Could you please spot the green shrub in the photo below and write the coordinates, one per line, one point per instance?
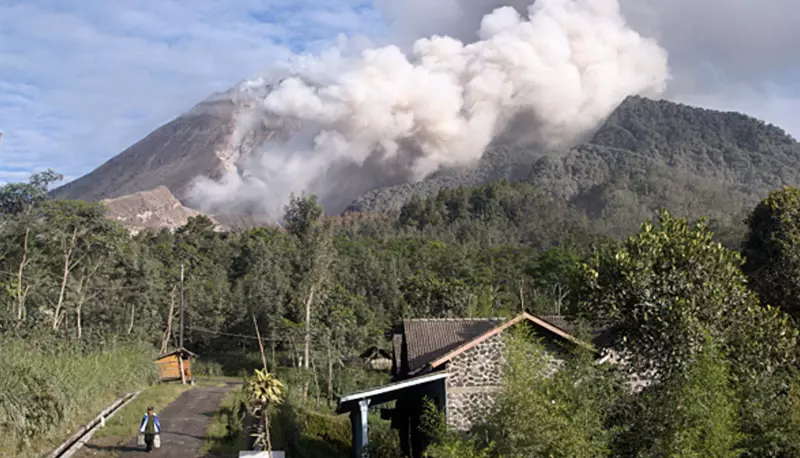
(302, 432)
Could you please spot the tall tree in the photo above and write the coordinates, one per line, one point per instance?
(79, 235)
(17, 201)
(665, 287)
(304, 219)
(772, 250)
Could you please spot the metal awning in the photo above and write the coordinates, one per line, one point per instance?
(357, 404)
(385, 393)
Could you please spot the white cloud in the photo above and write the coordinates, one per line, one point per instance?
(81, 81)
(727, 54)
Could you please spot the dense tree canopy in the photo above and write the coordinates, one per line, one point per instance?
(321, 290)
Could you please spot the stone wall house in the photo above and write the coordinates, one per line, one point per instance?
(472, 352)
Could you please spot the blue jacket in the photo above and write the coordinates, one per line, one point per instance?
(155, 420)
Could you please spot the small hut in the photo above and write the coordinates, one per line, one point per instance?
(377, 359)
(175, 365)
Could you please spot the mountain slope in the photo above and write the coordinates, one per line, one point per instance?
(203, 141)
(647, 155)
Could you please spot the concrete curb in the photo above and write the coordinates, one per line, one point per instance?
(77, 440)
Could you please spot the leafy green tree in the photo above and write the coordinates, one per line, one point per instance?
(78, 238)
(551, 408)
(694, 414)
(304, 219)
(772, 250)
(664, 288)
(17, 201)
(17, 198)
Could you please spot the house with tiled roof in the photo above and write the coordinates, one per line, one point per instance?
(455, 362)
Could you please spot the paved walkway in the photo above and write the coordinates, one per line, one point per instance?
(183, 426)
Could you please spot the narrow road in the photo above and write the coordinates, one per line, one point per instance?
(183, 426)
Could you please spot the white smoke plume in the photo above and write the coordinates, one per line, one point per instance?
(385, 116)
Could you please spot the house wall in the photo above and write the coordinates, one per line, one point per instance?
(475, 377)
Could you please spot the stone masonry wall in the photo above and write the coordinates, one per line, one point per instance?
(475, 377)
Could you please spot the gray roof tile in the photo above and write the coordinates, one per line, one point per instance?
(429, 339)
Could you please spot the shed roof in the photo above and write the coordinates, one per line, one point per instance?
(181, 350)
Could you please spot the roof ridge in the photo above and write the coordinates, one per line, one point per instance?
(457, 319)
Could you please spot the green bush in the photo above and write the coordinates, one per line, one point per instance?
(309, 434)
(46, 391)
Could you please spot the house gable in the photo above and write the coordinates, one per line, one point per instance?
(538, 323)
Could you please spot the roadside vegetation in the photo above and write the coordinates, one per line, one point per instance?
(49, 388)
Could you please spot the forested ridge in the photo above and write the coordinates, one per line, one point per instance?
(648, 155)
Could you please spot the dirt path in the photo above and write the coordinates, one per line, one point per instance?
(183, 426)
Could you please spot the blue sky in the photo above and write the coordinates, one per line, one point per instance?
(81, 80)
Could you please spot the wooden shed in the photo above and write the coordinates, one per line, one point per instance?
(377, 359)
(169, 365)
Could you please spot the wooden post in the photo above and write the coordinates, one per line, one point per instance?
(260, 343)
(183, 372)
(180, 344)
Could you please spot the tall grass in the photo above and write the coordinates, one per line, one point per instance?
(48, 389)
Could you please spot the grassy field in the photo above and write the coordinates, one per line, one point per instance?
(49, 391)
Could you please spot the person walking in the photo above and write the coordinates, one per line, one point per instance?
(150, 427)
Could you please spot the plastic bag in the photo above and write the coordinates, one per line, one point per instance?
(140, 440)
(157, 441)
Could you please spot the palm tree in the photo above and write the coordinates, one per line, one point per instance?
(264, 390)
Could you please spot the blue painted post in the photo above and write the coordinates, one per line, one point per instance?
(358, 420)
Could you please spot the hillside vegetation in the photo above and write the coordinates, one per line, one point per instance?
(648, 155)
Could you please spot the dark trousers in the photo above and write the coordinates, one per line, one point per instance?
(148, 441)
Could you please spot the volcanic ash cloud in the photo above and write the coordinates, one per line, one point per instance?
(566, 63)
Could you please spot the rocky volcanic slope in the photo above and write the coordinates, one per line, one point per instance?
(202, 141)
(153, 209)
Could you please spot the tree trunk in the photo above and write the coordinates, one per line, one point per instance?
(330, 374)
(272, 345)
(165, 342)
(307, 347)
(316, 381)
(78, 309)
(80, 330)
(67, 250)
(260, 342)
(266, 432)
(133, 315)
(20, 294)
(64, 278)
(307, 344)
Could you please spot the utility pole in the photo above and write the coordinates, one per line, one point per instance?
(182, 314)
(180, 355)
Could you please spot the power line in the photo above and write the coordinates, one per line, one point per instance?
(242, 336)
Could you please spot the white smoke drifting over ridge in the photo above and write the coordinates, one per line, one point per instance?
(385, 117)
